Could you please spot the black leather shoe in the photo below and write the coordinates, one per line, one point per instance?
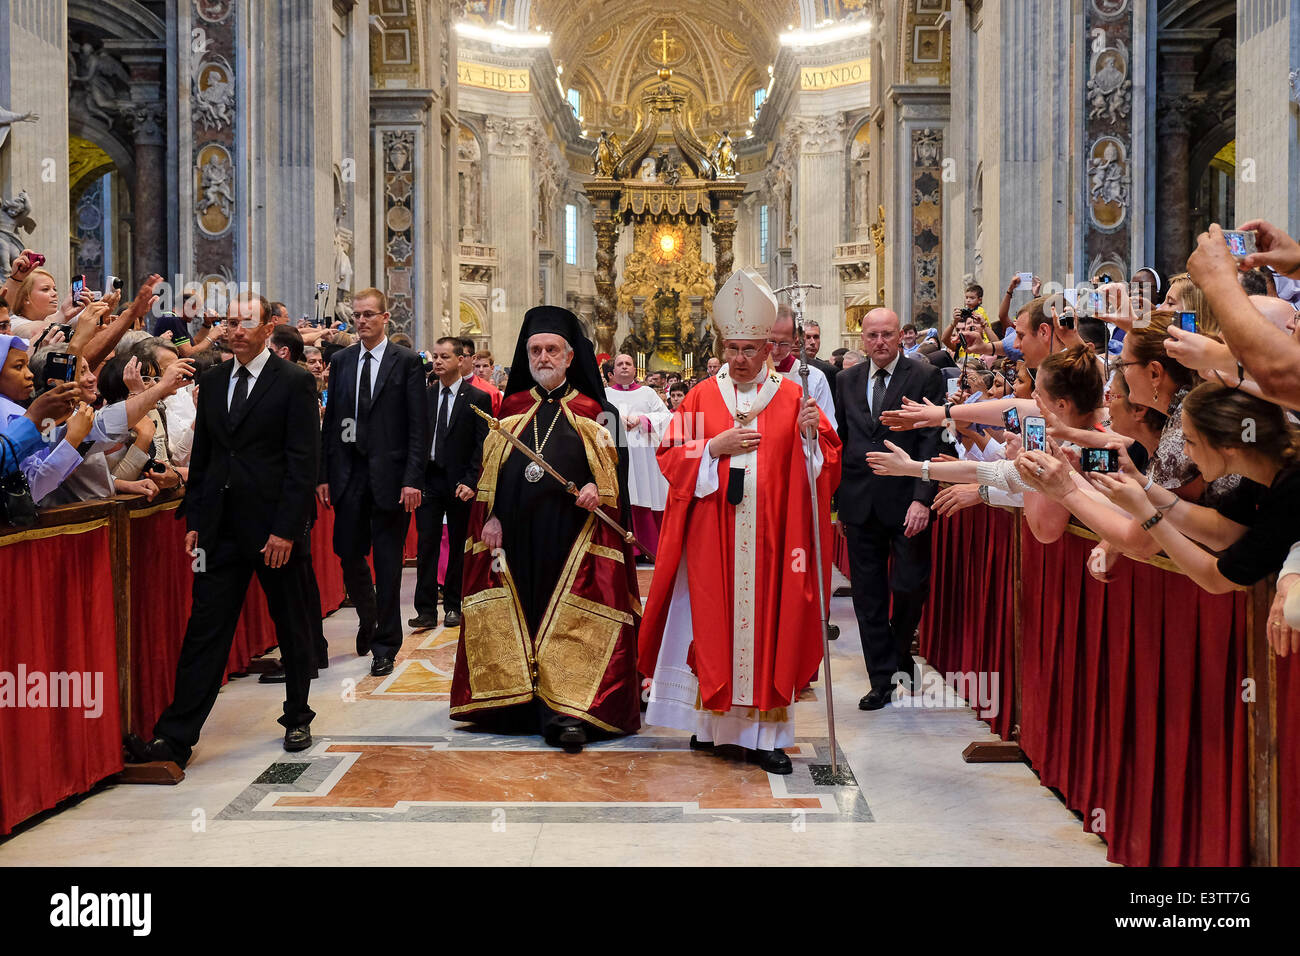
(276, 676)
(572, 739)
(451, 619)
(364, 637)
(423, 622)
(697, 744)
(381, 667)
(879, 697)
(297, 738)
(135, 750)
(773, 761)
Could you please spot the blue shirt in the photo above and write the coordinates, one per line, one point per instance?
(25, 438)
(1009, 344)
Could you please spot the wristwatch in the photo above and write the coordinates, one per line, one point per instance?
(925, 470)
(984, 493)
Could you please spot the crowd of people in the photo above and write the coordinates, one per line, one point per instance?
(1159, 415)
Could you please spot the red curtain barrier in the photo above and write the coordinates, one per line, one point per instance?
(968, 628)
(1287, 768)
(67, 734)
(1132, 705)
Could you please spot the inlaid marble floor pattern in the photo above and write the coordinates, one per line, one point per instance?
(391, 779)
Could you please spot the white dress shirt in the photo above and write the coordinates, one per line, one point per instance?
(376, 356)
(437, 405)
(889, 375)
(254, 366)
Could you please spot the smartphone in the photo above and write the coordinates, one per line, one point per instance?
(1095, 299)
(1187, 321)
(1011, 420)
(1026, 279)
(954, 385)
(60, 367)
(1105, 460)
(1035, 434)
(1071, 297)
(78, 284)
(1240, 243)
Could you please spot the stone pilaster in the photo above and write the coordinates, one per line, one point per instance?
(1268, 112)
(403, 192)
(34, 156)
(819, 197)
(513, 213)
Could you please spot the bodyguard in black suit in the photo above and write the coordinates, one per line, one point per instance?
(373, 448)
(451, 480)
(886, 520)
(247, 508)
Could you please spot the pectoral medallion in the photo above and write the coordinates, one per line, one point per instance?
(534, 472)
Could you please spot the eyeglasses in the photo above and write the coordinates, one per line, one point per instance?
(748, 351)
(150, 379)
(1118, 364)
(242, 323)
(366, 315)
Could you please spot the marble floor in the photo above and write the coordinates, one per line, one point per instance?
(391, 779)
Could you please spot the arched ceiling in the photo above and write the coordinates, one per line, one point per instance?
(611, 49)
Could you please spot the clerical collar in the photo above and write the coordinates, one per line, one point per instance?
(556, 393)
(625, 388)
(786, 364)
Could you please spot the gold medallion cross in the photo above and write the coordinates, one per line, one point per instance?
(663, 47)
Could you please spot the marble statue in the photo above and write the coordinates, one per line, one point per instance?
(8, 118)
(15, 214)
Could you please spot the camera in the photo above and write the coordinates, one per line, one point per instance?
(112, 282)
(967, 313)
(78, 284)
(1104, 279)
(1011, 421)
(1104, 460)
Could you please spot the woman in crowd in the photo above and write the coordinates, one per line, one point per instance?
(1185, 296)
(1068, 384)
(36, 305)
(1253, 527)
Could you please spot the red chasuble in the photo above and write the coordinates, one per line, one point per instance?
(787, 642)
(581, 658)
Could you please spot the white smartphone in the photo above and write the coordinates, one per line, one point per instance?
(1035, 433)
(1026, 279)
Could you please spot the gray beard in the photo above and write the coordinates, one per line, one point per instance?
(549, 379)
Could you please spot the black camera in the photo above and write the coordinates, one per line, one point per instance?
(967, 313)
(1066, 320)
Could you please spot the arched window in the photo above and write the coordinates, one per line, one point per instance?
(575, 101)
(760, 95)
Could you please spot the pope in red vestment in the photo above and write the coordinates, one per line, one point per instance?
(732, 629)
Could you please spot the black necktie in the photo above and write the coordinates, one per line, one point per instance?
(440, 437)
(238, 399)
(363, 403)
(878, 394)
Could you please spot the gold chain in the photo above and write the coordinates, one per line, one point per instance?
(538, 447)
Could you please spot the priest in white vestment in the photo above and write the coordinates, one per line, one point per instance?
(644, 418)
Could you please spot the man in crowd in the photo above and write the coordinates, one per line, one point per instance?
(785, 356)
(732, 631)
(374, 445)
(247, 508)
(713, 365)
(812, 333)
(644, 417)
(481, 382)
(886, 520)
(450, 480)
(548, 635)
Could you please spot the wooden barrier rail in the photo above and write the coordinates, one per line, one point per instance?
(1156, 709)
(104, 587)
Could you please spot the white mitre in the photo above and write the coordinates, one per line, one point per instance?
(744, 307)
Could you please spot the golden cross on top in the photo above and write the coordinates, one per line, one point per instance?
(663, 47)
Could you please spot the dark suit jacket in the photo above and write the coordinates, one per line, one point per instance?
(466, 431)
(264, 463)
(863, 493)
(830, 371)
(397, 443)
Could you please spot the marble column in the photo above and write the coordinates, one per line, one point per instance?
(1268, 112)
(1175, 105)
(820, 202)
(606, 228)
(149, 238)
(404, 190)
(34, 156)
(292, 152)
(512, 212)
